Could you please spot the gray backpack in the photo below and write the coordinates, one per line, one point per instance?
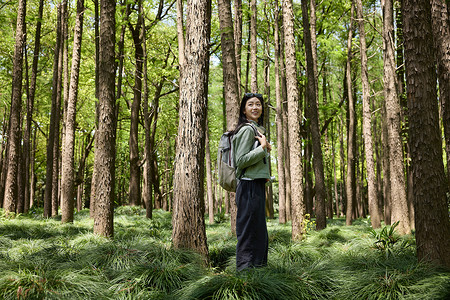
(225, 161)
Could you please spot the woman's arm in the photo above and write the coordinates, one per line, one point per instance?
(244, 155)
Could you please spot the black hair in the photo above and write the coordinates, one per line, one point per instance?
(242, 118)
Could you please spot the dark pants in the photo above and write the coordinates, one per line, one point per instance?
(251, 228)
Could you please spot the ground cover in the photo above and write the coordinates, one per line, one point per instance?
(42, 259)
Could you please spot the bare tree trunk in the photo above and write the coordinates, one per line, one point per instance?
(367, 126)
(279, 122)
(399, 205)
(253, 48)
(298, 206)
(53, 115)
(209, 181)
(238, 39)
(311, 70)
(13, 143)
(231, 83)
(68, 165)
(189, 190)
(351, 138)
(430, 201)
(135, 172)
(386, 171)
(441, 33)
(106, 137)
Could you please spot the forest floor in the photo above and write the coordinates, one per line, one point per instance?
(43, 259)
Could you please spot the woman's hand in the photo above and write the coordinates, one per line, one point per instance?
(263, 141)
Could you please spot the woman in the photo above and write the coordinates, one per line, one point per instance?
(252, 171)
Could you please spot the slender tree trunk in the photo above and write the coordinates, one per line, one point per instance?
(189, 168)
(399, 204)
(106, 138)
(279, 122)
(30, 107)
(351, 136)
(311, 70)
(68, 165)
(135, 172)
(13, 143)
(209, 180)
(230, 80)
(441, 33)
(386, 171)
(253, 48)
(238, 39)
(430, 186)
(51, 134)
(367, 124)
(298, 206)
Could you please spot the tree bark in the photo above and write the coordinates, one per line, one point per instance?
(296, 169)
(230, 82)
(367, 124)
(106, 139)
(441, 33)
(188, 210)
(279, 122)
(13, 144)
(238, 40)
(209, 180)
(351, 129)
(311, 70)
(430, 202)
(399, 205)
(135, 171)
(253, 48)
(68, 165)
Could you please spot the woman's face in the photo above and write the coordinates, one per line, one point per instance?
(253, 109)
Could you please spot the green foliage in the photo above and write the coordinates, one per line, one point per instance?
(388, 240)
(43, 259)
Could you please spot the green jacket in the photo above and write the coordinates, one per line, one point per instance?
(251, 160)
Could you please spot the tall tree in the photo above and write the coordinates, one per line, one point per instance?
(279, 121)
(230, 81)
(253, 48)
(106, 135)
(188, 207)
(238, 39)
(350, 186)
(296, 169)
(311, 70)
(399, 205)
(54, 114)
(13, 144)
(441, 33)
(135, 170)
(67, 176)
(367, 123)
(30, 108)
(429, 184)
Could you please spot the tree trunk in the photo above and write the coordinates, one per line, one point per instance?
(238, 40)
(311, 70)
(106, 138)
(367, 126)
(279, 122)
(441, 33)
(53, 116)
(296, 169)
(230, 82)
(68, 165)
(30, 107)
(430, 201)
(190, 232)
(351, 136)
(253, 48)
(399, 205)
(209, 181)
(135, 172)
(13, 144)
(387, 197)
